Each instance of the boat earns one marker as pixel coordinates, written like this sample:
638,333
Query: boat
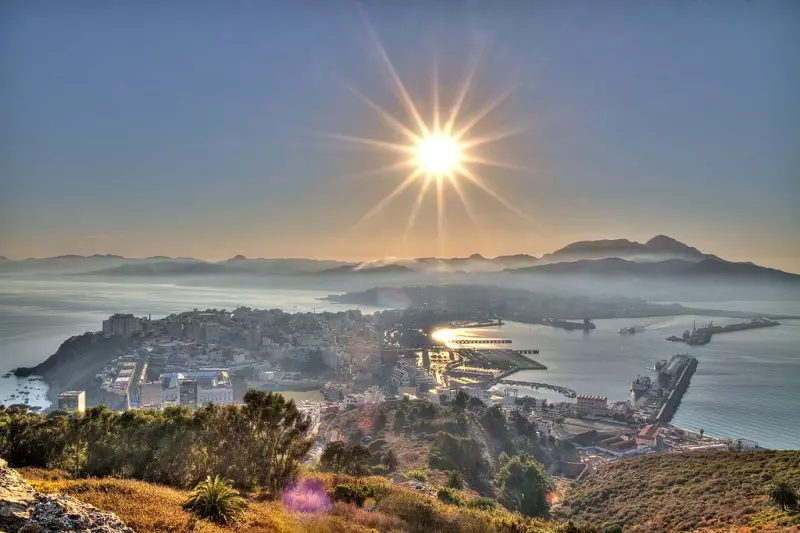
659,365
640,385
627,331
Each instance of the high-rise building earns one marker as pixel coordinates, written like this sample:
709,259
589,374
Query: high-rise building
119,324
72,400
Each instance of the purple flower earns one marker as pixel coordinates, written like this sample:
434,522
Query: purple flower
307,496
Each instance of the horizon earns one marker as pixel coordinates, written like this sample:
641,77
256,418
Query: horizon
135,131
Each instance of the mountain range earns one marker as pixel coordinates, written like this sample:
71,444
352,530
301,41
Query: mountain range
661,256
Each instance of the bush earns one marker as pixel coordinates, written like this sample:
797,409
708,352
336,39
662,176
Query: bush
449,496
352,494
487,504
419,475
215,500
379,470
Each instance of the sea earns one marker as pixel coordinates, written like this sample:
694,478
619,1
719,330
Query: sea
747,383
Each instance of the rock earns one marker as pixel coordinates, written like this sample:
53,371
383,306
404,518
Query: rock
23,510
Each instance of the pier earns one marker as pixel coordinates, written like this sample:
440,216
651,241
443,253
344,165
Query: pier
566,391
481,341
703,335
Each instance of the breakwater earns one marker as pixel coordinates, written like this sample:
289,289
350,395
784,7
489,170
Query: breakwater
673,400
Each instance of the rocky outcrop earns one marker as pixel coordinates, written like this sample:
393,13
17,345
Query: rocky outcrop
23,510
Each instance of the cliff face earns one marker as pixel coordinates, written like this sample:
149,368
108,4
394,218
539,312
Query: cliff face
23,510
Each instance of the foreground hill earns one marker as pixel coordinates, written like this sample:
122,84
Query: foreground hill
710,491
150,508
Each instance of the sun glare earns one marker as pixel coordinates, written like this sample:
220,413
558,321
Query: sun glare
439,151
438,155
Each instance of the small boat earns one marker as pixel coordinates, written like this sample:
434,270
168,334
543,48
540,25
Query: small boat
627,331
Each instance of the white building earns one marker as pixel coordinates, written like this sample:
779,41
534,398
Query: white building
72,400
119,324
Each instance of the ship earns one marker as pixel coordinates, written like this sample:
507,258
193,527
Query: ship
640,385
659,365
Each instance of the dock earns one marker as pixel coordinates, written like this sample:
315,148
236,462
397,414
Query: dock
481,341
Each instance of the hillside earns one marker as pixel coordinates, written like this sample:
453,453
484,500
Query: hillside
150,508
710,491
438,439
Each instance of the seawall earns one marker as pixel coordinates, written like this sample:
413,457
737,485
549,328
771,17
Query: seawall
667,411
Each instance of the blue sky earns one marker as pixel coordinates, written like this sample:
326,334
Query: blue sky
192,128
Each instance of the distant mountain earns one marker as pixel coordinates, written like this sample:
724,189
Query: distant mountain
658,248
670,267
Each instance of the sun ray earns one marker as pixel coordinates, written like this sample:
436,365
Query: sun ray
391,196
375,143
492,137
462,94
478,160
480,115
387,117
435,98
465,202
412,217
404,96
386,169
440,211
467,173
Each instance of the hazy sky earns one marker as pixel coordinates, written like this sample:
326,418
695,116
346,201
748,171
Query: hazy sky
145,128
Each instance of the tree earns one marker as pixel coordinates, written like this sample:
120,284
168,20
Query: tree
343,459
455,481
390,461
523,485
215,500
280,438
784,495
461,399
701,432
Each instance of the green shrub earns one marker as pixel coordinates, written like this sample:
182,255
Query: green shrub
379,470
449,496
357,494
419,475
484,503
215,500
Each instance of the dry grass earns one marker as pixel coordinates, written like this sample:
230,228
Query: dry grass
711,491
149,508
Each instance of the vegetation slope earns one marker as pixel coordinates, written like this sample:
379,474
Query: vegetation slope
152,508
705,491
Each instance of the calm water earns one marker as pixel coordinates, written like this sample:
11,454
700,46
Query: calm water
37,316
746,384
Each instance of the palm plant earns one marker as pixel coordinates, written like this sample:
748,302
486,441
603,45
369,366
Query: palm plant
215,500
784,495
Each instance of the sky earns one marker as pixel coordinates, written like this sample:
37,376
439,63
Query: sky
205,128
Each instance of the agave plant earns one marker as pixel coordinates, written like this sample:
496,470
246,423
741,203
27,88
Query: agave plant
216,500
784,495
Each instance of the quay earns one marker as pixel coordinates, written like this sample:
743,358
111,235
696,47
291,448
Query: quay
481,341
566,391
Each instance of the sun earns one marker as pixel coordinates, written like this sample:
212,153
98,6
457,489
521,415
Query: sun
438,155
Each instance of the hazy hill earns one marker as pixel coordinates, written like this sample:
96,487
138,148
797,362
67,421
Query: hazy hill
710,491
679,268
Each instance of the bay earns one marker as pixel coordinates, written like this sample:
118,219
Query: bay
746,384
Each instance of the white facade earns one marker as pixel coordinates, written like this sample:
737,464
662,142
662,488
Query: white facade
216,395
